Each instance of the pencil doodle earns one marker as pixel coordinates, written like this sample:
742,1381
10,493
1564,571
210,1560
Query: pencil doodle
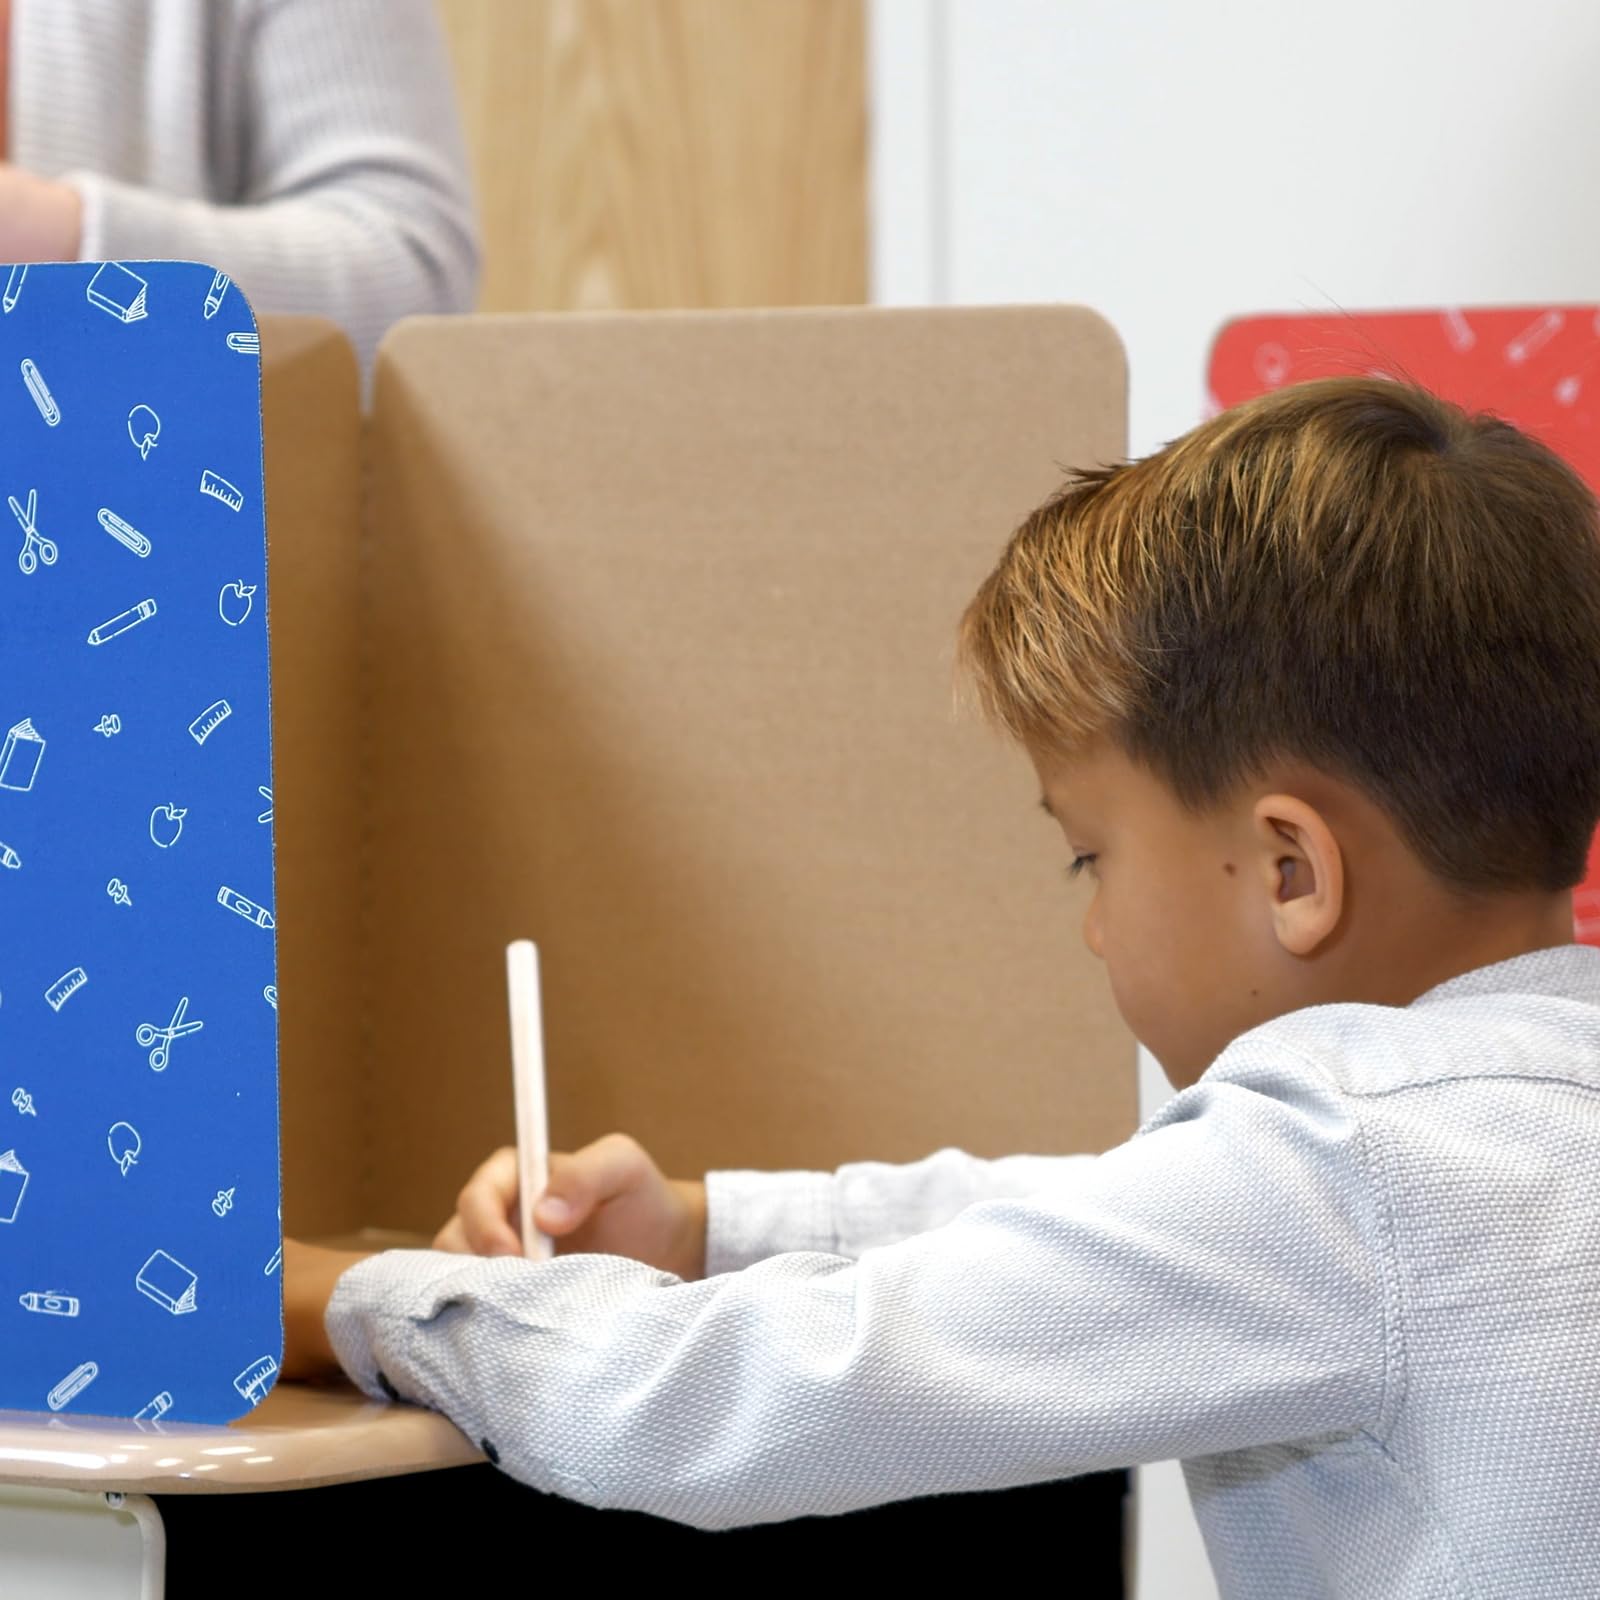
119,624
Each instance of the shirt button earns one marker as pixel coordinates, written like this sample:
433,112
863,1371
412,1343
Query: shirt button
490,1451
387,1387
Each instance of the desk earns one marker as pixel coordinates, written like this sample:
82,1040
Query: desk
395,1500
87,1503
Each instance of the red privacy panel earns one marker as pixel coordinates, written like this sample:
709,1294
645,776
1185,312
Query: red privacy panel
1538,366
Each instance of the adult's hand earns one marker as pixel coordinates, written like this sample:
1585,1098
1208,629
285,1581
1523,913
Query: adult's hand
40,220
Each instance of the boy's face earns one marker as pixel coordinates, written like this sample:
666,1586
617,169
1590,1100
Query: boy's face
1205,924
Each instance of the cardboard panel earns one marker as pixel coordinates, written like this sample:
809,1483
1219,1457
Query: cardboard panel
312,430
662,614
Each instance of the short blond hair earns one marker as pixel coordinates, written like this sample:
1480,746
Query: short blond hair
1351,572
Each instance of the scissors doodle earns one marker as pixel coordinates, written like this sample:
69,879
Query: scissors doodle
148,1034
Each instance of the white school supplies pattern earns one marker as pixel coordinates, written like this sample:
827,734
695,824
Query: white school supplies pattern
40,392
209,720
71,1386
34,548
47,1303
147,1034
144,429
13,1185
20,756
120,292
115,627
166,825
235,601
63,989
139,1181
165,1280
218,487
124,1143
123,532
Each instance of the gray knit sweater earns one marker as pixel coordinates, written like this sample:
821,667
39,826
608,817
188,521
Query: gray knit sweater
308,148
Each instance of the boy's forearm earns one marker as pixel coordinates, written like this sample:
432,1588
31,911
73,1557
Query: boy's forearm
310,1274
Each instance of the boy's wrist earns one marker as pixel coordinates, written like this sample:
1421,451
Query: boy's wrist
310,1275
692,1196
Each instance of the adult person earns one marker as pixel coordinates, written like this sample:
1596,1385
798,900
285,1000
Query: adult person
310,149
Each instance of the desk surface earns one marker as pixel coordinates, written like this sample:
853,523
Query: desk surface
299,1437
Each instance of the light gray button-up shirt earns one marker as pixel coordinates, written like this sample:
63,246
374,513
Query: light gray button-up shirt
1351,1277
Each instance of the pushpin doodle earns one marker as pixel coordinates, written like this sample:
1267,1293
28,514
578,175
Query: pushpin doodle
9,857
144,429
124,1143
223,1204
23,1101
118,891
109,725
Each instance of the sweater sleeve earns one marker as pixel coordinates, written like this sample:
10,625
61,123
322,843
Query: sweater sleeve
356,204
1215,1284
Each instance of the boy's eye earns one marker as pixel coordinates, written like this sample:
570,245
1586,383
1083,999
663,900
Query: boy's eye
1078,864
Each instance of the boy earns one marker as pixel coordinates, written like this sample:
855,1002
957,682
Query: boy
1314,696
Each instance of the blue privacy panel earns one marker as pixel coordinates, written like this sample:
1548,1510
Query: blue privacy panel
139,1233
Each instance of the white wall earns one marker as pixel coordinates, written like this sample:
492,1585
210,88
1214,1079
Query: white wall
1174,163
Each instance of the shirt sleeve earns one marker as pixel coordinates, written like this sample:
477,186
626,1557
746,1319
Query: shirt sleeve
753,1215
357,204
1214,1284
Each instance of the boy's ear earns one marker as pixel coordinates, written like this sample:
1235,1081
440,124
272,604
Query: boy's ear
1303,869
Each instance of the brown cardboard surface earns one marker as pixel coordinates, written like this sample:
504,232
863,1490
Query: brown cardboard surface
312,423
659,627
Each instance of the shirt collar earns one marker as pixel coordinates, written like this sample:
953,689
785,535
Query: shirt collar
1566,971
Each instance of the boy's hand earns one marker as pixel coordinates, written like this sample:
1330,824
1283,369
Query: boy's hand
309,1274
609,1198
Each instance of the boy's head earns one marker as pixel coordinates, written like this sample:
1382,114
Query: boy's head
1318,687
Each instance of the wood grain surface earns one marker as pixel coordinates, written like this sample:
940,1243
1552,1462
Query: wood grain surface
642,153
